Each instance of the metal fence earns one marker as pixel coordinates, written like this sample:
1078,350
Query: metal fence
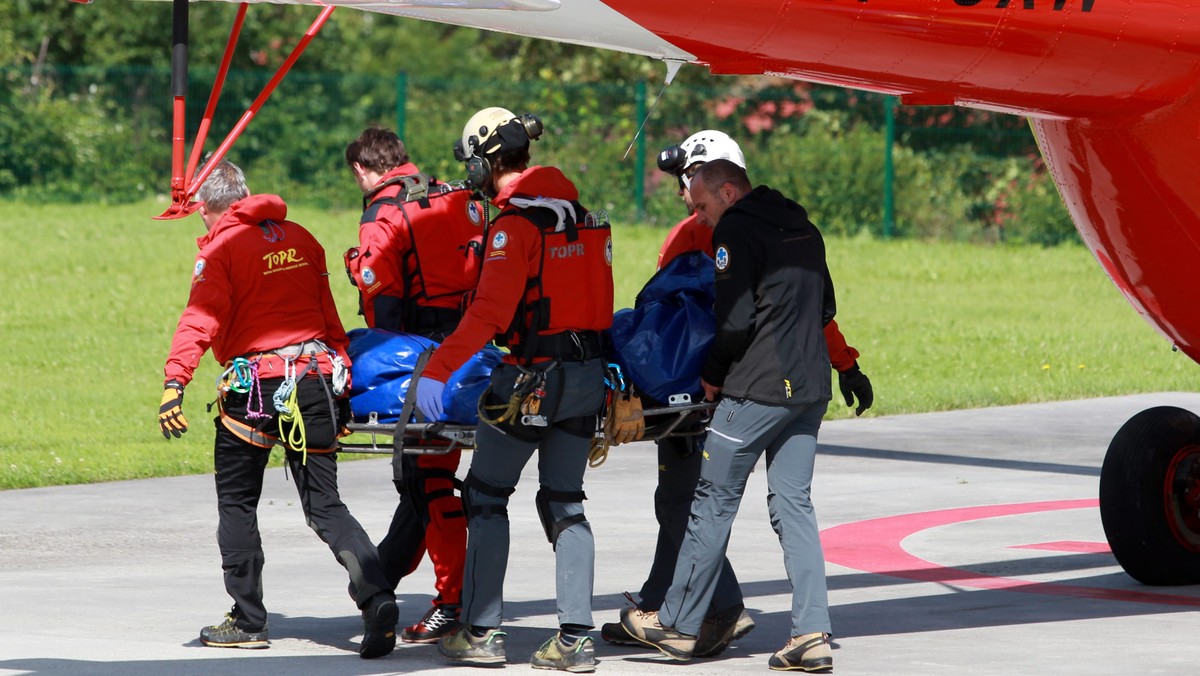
857,160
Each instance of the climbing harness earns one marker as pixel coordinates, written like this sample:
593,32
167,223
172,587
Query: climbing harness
243,376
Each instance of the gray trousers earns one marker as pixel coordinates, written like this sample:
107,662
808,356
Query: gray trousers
741,431
679,461
499,457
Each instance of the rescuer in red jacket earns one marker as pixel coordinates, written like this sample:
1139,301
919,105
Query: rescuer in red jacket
260,300
678,459
415,262
546,292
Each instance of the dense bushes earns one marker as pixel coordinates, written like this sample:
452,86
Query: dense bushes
68,148
103,134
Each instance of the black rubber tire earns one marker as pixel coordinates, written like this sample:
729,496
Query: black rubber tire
1152,529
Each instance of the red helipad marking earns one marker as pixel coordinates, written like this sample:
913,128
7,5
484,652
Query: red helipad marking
874,546
1073,546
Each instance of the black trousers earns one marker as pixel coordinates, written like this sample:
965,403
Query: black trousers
239,479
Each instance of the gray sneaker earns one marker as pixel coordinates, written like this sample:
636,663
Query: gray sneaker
645,627
578,656
462,646
228,635
810,652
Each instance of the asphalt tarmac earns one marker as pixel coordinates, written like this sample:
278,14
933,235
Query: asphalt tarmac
966,542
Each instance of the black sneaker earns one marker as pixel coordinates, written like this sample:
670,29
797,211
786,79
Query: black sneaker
229,635
379,626
615,634
439,621
578,656
745,625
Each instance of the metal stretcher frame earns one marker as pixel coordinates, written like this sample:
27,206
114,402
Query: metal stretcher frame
441,437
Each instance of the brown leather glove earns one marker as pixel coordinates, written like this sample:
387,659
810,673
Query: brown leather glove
625,421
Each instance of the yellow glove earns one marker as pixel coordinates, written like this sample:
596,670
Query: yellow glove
170,411
625,421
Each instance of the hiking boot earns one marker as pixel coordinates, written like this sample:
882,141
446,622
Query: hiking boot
717,631
577,656
615,634
439,621
809,652
645,627
229,635
379,626
463,646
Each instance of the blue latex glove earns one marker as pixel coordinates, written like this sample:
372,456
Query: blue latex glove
429,398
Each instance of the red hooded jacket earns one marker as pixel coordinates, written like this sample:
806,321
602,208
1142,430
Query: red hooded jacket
260,283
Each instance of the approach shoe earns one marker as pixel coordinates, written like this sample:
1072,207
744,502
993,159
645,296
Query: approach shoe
718,631
810,652
229,635
439,621
463,646
645,627
577,656
379,626
615,634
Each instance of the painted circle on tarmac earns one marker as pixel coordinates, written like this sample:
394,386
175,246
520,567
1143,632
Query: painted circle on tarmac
875,546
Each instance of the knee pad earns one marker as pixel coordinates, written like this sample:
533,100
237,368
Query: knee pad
555,526
472,510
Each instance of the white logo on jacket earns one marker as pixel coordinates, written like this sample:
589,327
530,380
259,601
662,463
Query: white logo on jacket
722,258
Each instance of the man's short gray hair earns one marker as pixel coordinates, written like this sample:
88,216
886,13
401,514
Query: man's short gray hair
224,186
717,173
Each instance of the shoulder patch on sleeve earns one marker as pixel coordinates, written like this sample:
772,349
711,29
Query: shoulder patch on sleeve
722,258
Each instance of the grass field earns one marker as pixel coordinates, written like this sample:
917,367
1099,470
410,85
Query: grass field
91,296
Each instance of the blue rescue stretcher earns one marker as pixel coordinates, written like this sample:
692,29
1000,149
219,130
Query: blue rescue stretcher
377,409
659,345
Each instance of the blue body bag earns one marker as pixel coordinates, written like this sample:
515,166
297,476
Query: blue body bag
661,344
382,364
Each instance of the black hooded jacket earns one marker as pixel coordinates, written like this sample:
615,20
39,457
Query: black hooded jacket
773,299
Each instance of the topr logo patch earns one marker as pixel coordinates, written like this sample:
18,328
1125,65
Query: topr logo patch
608,251
474,213
499,240
199,270
722,258
368,276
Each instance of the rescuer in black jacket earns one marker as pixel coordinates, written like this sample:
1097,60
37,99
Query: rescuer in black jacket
769,370
772,286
